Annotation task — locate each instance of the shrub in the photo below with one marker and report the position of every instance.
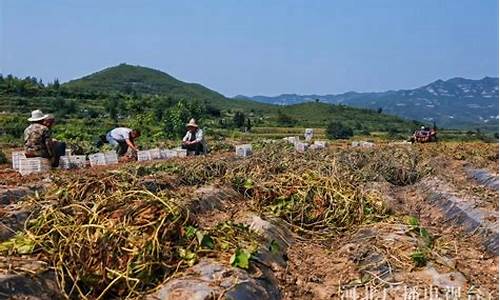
(3, 158)
(337, 130)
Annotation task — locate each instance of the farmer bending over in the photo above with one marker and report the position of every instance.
(38, 140)
(193, 141)
(121, 138)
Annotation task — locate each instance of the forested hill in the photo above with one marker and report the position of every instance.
(160, 104)
(128, 79)
(457, 102)
(138, 80)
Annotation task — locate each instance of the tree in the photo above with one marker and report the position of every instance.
(239, 119)
(284, 119)
(249, 124)
(56, 84)
(380, 110)
(177, 117)
(337, 130)
(111, 107)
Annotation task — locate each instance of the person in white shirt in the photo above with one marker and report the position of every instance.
(193, 141)
(121, 138)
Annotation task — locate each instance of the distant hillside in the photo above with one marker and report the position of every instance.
(126, 78)
(318, 114)
(458, 102)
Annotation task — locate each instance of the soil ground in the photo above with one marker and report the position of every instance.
(353, 261)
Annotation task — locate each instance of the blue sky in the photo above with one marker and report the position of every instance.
(256, 47)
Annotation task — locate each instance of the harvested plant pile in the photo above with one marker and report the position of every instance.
(107, 236)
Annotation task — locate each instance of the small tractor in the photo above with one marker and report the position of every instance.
(424, 135)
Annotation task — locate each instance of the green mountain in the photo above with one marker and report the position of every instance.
(126, 78)
(454, 103)
(149, 99)
(129, 79)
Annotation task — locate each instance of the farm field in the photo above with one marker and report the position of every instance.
(395, 220)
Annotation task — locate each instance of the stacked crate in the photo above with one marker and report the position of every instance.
(151, 154)
(33, 165)
(102, 159)
(292, 139)
(166, 153)
(180, 152)
(72, 162)
(244, 150)
(318, 145)
(300, 147)
(16, 156)
(362, 144)
(308, 134)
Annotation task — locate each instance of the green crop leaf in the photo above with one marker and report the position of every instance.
(249, 184)
(204, 240)
(20, 244)
(419, 258)
(413, 222)
(188, 256)
(241, 258)
(274, 247)
(190, 231)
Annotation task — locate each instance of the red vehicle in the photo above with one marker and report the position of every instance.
(424, 135)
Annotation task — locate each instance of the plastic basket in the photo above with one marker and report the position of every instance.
(33, 165)
(166, 154)
(149, 154)
(181, 152)
(244, 150)
(102, 159)
(320, 144)
(300, 147)
(16, 156)
(72, 162)
(308, 134)
(292, 139)
(143, 155)
(362, 144)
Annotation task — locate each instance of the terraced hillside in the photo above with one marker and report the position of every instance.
(333, 223)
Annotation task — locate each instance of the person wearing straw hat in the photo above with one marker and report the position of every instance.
(38, 140)
(194, 141)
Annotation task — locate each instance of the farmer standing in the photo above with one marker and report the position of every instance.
(193, 141)
(121, 138)
(38, 140)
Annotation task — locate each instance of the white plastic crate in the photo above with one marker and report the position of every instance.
(16, 156)
(166, 153)
(72, 162)
(320, 144)
(33, 165)
(300, 147)
(143, 155)
(151, 154)
(102, 159)
(292, 139)
(181, 152)
(308, 134)
(244, 150)
(362, 144)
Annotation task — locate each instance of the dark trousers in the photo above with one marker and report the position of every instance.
(121, 148)
(59, 149)
(197, 148)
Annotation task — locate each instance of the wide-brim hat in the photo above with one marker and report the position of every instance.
(192, 123)
(38, 115)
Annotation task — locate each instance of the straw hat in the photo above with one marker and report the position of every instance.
(192, 123)
(37, 115)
